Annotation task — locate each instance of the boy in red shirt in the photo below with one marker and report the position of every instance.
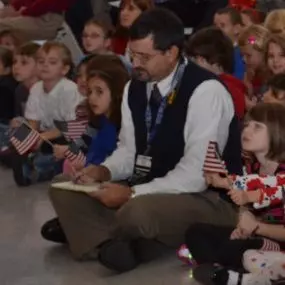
(211, 49)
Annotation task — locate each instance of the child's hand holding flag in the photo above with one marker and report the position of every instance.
(214, 167)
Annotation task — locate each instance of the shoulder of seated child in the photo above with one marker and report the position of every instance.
(67, 88)
(67, 85)
(37, 88)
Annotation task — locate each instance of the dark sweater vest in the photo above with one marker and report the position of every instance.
(168, 145)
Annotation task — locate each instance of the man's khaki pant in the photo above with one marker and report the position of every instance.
(163, 217)
(33, 28)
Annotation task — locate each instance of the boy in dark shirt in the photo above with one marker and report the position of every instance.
(212, 50)
(25, 72)
(7, 86)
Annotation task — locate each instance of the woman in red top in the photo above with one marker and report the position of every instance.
(34, 19)
(129, 12)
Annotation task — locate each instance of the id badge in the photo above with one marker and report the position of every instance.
(141, 170)
(143, 163)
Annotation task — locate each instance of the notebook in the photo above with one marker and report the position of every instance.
(76, 187)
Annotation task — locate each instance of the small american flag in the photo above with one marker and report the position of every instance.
(213, 161)
(73, 153)
(74, 129)
(71, 130)
(24, 138)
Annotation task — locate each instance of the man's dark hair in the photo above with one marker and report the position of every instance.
(214, 46)
(277, 83)
(165, 27)
(233, 13)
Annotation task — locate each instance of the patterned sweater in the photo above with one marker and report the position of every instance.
(271, 204)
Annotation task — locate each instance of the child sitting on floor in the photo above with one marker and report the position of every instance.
(8, 86)
(229, 21)
(9, 40)
(96, 36)
(106, 78)
(53, 98)
(84, 139)
(263, 135)
(275, 53)
(275, 21)
(211, 49)
(26, 73)
(96, 39)
(252, 43)
(276, 90)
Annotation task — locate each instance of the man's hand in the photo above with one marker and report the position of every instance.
(83, 176)
(112, 195)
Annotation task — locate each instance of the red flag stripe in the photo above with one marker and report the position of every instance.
(269, 245)
(72, 156)
(212, 162)
(75, 129)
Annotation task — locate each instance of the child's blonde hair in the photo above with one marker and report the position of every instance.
(256, 36)
(62, 48)
(275, 21)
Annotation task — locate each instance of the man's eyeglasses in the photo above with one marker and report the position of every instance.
(143, 58)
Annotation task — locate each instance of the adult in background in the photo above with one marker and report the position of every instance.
(129, 11)
(194, 13)
(170, 111)
(34, 19)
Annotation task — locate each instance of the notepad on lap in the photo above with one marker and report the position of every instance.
(76, 187)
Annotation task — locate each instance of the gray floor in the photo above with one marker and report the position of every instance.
(26, 259)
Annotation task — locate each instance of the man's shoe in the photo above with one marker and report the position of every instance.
(221, 276)
(52, 231)
(210, 274)
(147, 250)
(118, 255)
